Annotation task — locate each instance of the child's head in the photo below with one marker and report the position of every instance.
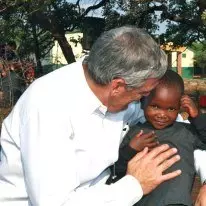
(163, 104)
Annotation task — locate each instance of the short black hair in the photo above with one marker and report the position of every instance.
(172, 79)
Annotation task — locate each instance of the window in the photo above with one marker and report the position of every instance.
(183, 55)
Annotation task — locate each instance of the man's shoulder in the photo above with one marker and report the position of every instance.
(63, 75)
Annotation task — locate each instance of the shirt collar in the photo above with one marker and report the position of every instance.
(93, 104)
(102, 109)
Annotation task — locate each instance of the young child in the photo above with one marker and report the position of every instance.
(161, 108)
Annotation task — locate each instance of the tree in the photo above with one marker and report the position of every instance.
(200, 54)
(31, 39)
(204, 17)
(185, 22)
(138, 13)
(185, 19)
(55, 16)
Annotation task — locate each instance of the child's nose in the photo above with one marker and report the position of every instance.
(162, 114)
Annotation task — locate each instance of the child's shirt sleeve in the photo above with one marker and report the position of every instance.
(200, 126)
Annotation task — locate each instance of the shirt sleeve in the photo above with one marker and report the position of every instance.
(119, 169)
(48, 165)
(200, 156)
(200, 125)
(110, 195)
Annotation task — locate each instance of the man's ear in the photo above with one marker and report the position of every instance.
(118, 86)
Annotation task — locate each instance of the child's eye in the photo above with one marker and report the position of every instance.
(154, 106)
(171, 109)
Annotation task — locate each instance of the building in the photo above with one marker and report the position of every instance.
(74, 40)
(180, 59)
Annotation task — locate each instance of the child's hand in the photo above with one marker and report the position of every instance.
(188, 104)
(140, 141)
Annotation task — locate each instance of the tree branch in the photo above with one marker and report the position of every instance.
(172, 17)
(78, 6)
(183, 20)
(6, 7)
(150, 1)
(94, 7)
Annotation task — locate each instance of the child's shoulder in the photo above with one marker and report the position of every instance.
(185, 127)
(182, 125)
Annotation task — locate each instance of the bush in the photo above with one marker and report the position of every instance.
(15, 77)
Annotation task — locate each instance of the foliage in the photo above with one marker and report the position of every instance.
(185, 24)
(119, 13)
(51, 19)
(204, 17)
(185, 19)
(200, 54)
(15, 24)
(35, 25)
(15, 76)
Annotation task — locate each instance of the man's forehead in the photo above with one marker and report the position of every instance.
(150, 83)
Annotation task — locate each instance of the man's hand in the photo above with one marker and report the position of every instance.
(140, 141)
(201, 198)
(189, 106)
(148, 167)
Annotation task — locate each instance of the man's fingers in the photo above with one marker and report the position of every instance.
(157, 151)
(170, 175)
(152, 145)
(168, 163)
(141, 154)
(165, 155)
(197, 202)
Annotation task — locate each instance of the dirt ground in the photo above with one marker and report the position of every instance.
(196, 188)
(3, 113)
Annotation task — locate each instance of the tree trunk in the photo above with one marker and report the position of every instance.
(36, 49)
(179, 63)
(65, 47)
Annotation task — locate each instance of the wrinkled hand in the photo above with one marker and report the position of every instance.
(148, 167)
(201, 198)
(140, 141)
(189, 106)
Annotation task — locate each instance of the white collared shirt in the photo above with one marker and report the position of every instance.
(58, 140)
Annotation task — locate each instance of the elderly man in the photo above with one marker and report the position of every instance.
(66, 128)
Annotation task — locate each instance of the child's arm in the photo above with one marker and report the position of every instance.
(197, 119)
(128, 151)
(141, 140)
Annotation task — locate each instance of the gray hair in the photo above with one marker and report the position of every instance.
(128, 53)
